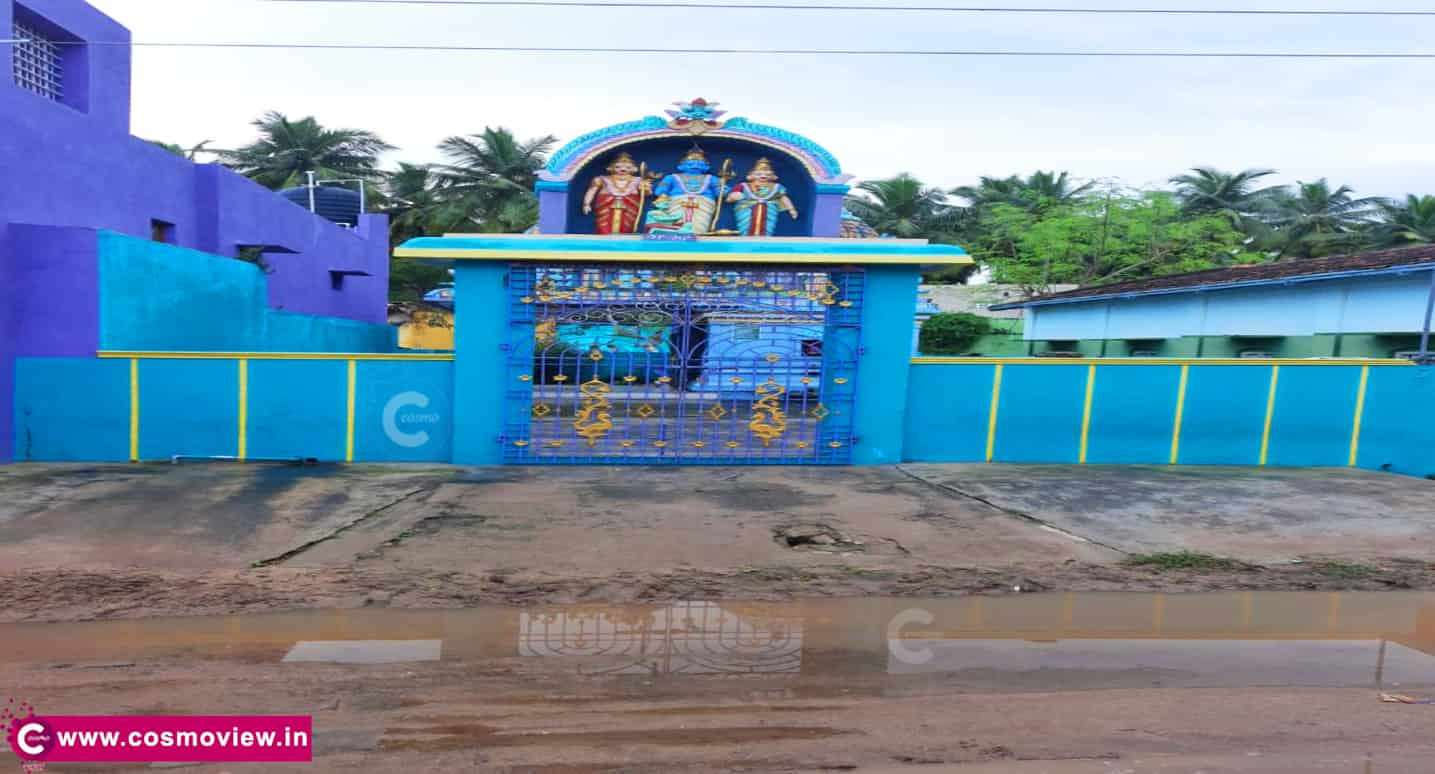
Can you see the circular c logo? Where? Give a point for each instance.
(33, 739)
(898, 647)
(391, 419)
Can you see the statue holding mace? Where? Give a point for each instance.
(616, 199)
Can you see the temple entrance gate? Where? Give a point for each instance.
(681, 364)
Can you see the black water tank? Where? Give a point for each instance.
(337, 204)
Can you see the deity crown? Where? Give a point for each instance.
(696, 154)
(622, 158)
(762, 165)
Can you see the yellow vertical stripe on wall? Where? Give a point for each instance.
(1359, 414)
(243, 408)
(1180, 415)
(992, 416)
(1270, 412)
(1086, 412)
(134, 410)
(349, 438)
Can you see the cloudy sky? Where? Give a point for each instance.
(948, 120)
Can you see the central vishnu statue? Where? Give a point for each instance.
(686, 202)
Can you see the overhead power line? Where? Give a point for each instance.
(776, 51)
(884, 8)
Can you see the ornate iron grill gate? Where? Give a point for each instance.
(672, 364)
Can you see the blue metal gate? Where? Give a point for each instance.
(673, 364)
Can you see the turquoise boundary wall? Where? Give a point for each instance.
(360, 408)
(397, 408)
(1291, 413)
(158, 297)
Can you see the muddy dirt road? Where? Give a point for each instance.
(1055, 683)
(82, 542)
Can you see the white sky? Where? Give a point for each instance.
(948, 120)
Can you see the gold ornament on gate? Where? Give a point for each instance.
(594, 420)
(768, 421)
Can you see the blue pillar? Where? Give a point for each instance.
(888, 307)
(552, 207)
(827, 210)
(481, 332)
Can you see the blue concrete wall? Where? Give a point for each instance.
(404, 413)
(482, 334)
(83, 409)
(1042, 410)
(157, 297)
(72, 410)
(883, 367)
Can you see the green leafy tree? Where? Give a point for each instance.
(1408, 222)
(1315, 220)
(287, 149)
(1106, 237)
(417, 206)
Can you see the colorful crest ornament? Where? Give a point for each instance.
(696, 117)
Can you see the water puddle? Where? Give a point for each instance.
(1034, 642)
(364, 651)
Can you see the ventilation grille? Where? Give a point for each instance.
(37, 64)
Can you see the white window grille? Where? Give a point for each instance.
(37, 64)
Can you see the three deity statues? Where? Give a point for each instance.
(688, 201)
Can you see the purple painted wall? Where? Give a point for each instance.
(73, 163)
(827, 214)
(82, 168)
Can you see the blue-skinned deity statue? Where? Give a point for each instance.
(686, 201)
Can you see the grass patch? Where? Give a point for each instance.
(863, 572)
(1344, 570)
(1183, 560)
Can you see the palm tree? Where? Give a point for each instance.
(1316, 220)
(1411, 222)
(494, 174)
(188, 154)
(903, 207)
(1047, 190)
(418, 205)
(1234, 196)
(287, 149)
(1040, 192)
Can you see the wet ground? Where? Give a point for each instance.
(1055, 683)
(80, 542)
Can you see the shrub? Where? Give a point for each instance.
(952, 333)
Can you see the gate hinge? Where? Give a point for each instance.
(861, 351)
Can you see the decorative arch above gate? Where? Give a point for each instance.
(688, 122)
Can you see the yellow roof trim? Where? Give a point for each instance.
(608, 256)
